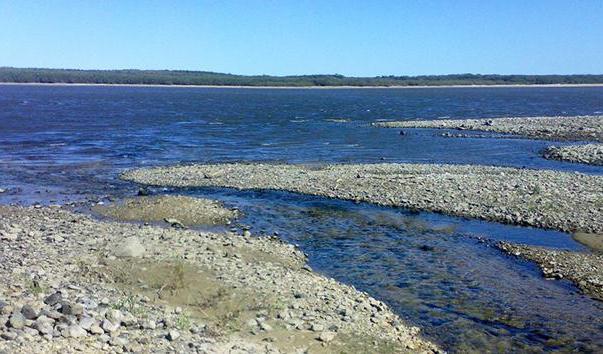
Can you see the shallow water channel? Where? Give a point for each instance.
(441, 273)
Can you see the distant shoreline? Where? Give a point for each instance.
(301, 87)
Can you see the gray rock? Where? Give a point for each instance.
(96, 329)
(70, 309)
(75, 331)
(115, 316)
(17, 320)
(109, 327)
(130, 247)
(44, 325)
(87, 322)
(173, 335)
(9, 335)
(327, 336)
(53, 299)
(29, 313)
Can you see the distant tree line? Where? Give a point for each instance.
(180, 77)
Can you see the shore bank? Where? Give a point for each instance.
(77, 284)
(591, 154)
(569, 202)
(304, 87)
(585, 270)
(585, 128)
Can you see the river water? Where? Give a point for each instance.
(61, 144)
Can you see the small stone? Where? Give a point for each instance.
(53, 299)
(327, 336)
(72, 309)
(28, 312)
(118, 341)
(108, 326)
(173, 335)
(246, 233)
(115, 316)
(317, 327)
(149, 324)
(265, 327)
(9, 335)
(17, 320)
(75, 331)
(130, 247)
(44, 325)
(96, 329)
(87, 322)
(174, 223)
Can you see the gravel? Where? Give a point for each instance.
(569, 202)
(589, 154)
(82, 298)
(585, 270)
(586, 128)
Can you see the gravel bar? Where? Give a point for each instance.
(590, 153)
(583, 269)
(75, 284)
(578, 128)
(569, 202)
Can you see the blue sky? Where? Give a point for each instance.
(361, 38)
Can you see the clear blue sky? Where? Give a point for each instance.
(354, 37)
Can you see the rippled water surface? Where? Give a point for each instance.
(66, 143)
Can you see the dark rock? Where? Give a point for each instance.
(28, 312)
(53, 299)
(144, 192)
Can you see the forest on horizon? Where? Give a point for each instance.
(183, 77)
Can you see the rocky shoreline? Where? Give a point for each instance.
(591, 154)
(570, 202)
(577, 128)
(75, 284)
(585, 270)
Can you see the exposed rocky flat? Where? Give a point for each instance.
(583, 269)
(590, 153)
(75, 284)
(586, 128)
(168, 208)
(564, 201)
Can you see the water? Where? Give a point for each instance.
(67, 143)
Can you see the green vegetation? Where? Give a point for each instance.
(169, 77)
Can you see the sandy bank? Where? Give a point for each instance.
(587, 128)
(74, 284)
(583, 269)
(563, 201)
(181, 209)
(590, 153)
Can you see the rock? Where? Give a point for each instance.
(72, 309)
(143, 192)
(327, 336)
(317, 327)
(265, 326)
(87, 322)
(9, 335)
(53, 299)
(28, 312)
(118, 341)
(44, 325)
(96, 329)
(2, 190)
(115, 316)
(130, 247)
(75, 331)
(17, 320)
(109, 327)
(174, 223)
(173, 335)
(246, 233)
